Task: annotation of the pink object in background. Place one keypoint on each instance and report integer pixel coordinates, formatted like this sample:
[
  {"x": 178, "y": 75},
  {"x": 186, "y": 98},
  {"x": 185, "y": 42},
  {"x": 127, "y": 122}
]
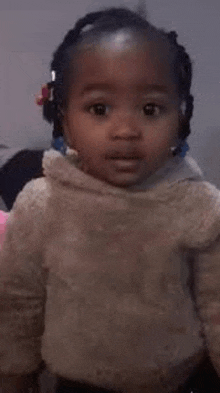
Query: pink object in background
[{"x": 3, "y": 219}]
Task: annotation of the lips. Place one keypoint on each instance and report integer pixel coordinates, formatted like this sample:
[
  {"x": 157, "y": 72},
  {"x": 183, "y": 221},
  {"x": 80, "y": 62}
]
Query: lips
[
  {"x": 123, "y": 162},
  {"x": 123, "y": 155}
]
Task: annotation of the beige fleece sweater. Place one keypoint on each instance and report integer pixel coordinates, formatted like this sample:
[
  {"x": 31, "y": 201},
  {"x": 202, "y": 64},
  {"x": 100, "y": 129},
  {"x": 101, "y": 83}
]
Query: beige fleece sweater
[{"x": 110, "y": 286}]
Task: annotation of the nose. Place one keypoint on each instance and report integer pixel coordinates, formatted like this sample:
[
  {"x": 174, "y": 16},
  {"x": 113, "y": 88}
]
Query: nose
[{"x": 126, "y": 128}]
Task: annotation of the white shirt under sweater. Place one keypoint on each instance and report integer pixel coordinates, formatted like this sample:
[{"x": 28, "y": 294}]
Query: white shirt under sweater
[{"x": 112, "y": 267}]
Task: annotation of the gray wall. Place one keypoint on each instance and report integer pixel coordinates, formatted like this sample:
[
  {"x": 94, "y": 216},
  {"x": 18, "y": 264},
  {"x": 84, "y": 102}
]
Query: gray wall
[{"x": 31, "y": 29}]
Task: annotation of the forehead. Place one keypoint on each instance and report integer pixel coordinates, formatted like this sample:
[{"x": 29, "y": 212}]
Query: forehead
[{"x": 123, "y": 59}]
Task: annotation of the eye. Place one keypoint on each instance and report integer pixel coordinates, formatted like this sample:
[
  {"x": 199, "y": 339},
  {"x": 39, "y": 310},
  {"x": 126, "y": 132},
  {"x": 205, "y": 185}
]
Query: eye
[
  {"x": 152, "y": 110},
  {"x": 98, "y": 109}
]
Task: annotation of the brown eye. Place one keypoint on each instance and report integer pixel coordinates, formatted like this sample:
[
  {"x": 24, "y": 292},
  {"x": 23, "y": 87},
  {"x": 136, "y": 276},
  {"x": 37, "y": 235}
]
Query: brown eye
[
  {"x": 151, "y": 110},
  {"x": 98, "y": 109}
]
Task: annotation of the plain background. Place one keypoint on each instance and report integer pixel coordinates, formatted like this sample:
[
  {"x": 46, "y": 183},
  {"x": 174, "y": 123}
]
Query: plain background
[{"x": 30, "y": 31}]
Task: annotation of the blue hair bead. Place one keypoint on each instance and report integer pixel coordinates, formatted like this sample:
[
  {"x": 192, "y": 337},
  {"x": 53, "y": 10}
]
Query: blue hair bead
[
  {"x": 184, "y": 150},
  {"x": 59, "y": 145}
]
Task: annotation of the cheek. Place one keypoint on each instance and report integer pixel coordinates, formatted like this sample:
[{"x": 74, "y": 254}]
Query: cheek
[
  {"x": 157, "y": 148},
  {"x": 88, "y": 144},
  {"x": 73, "y": 130},
  {"x": 171, "y": 130},
  {"x": 162, "y": 137}
]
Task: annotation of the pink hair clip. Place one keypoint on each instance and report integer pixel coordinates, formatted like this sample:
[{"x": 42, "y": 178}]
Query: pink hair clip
[{"x": 44, "y": 96}]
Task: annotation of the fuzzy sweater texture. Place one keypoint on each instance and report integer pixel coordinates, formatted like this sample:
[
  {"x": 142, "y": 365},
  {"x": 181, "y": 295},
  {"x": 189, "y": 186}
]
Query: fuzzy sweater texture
[{"x": 115, "y": 287}]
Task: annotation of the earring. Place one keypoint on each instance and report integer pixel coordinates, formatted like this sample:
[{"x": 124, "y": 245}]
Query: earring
[
  {"x": 72, "y": 152},
  {"x": 181, "y": 150},
  {"x": 173, "y": 150}
]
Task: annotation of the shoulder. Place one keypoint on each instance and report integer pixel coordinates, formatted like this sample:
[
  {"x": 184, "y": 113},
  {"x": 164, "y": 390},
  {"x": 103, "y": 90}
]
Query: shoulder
[
  {"x": 34, "y": 195},
  {"x": 199, "y": 210},
  {"x": 28, "y": 217},
  {"x": 202, "y": 196},
  {"x": 198, "y": 191}
]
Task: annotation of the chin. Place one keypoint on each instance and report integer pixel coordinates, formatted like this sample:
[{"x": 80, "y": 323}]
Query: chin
[{"x": 125, "y": 183}]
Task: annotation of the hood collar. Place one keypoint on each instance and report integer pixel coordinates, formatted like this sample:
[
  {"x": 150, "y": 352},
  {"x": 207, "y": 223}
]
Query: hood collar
[{"x": 63, "y": 169}]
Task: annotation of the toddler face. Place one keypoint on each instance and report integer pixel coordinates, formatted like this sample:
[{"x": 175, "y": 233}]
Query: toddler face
[{"x": 123, "y": 108}]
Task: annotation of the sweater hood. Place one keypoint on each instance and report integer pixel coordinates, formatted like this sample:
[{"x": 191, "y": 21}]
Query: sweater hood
[{"x": 64, "y": 169}]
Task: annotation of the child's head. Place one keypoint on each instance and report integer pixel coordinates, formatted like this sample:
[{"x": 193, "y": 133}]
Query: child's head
[{"x": 121, "y": 95}]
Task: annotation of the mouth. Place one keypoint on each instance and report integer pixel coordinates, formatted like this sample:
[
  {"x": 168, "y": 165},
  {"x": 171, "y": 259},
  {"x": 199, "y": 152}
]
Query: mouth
[
  {"x": 125, "y": 162},
  {"x": 124, "y": 157}
]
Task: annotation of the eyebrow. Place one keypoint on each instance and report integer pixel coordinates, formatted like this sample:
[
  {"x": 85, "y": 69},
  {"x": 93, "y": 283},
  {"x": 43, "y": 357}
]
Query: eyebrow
[
  {"x": 108, "y": 87},
  {"x": 153, "y": 88},
  {"x": 97, "y": 87}
]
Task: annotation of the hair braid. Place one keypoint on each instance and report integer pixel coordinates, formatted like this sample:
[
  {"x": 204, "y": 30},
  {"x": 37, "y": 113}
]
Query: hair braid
[{"x": 184, "y": 67}]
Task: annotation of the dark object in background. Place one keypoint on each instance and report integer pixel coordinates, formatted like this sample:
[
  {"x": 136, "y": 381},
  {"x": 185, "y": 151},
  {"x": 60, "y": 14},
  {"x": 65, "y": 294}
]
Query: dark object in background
[
  {"x": 19, "y": 170},
  {"x": 67, "y": 386},
  {"x": 204, "y": 379}
]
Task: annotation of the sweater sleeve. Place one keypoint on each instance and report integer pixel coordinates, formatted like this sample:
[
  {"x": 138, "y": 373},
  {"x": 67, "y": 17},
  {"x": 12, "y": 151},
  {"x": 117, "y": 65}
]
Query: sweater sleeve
[
  {"x": 207, "y": 296},
  {"x": 23, "y": 283}
]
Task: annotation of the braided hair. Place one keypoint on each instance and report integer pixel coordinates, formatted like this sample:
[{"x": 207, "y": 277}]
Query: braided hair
[{"x": 111, "y": 20}]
